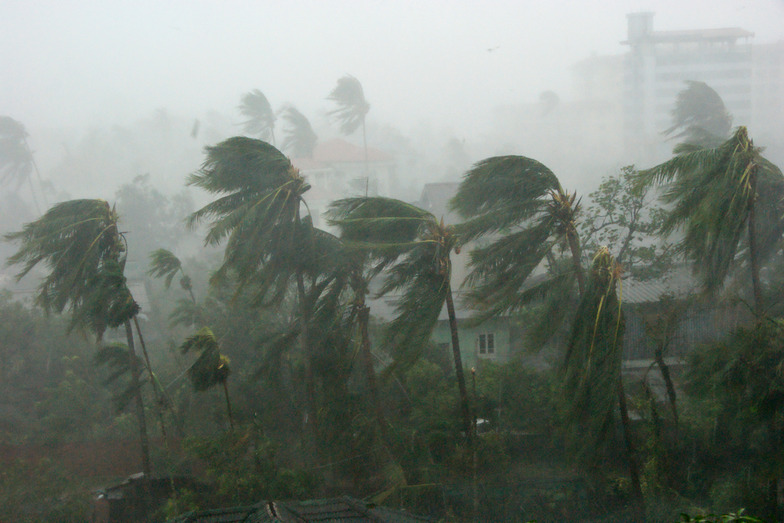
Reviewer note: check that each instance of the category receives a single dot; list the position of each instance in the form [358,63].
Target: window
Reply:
[486,343]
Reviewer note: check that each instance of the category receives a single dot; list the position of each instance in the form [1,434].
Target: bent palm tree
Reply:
[261,117]
[351,109]
[80,243]
[728,201]
[700,116]
[416,249]
[257,213]
[16,159]
[521,199]
[300,139]
[211,368]
[592,382]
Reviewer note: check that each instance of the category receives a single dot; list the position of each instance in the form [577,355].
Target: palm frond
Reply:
[79,242]
[699,116]
[211,367]
[592,365]
[164,264]
[352,106]
[500,192]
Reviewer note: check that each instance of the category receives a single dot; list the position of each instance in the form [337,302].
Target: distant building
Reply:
[337,170]
[660,62]
[639,87]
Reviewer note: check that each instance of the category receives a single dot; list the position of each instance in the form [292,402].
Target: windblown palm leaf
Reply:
[714,194]
[16,160]
[351,104]
[699,116]
[211,367]
[257,212]
[592,366]
[79,241]
[521,199]
[415,249]
[164,264]
[300,139]
[261,118]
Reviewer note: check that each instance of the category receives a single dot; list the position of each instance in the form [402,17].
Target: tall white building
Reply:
[660,62]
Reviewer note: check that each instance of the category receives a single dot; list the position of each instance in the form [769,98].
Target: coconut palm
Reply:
[165,264]
[351,109]
[16,158]
[593,396]
[700,116]
[415,248]
[300,139]
[261,117]
[257,213]
[79,241]
[211,367]
[727,200]
[520,205]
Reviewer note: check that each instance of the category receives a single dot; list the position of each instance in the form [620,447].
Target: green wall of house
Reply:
[470,340]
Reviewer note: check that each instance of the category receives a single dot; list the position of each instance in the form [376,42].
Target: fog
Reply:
[433,72]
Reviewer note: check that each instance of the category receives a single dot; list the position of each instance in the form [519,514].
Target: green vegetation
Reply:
[324,399]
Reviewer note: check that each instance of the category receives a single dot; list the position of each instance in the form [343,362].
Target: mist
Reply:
[465,203]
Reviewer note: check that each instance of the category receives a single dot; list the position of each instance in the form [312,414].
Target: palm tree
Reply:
[699,116]
[16,158]
[300,139]
[416,249]
[351,108]
[728,201]
[257,213]
[591,372]
[521,200]
[165,264]
[261,117]
[79,241]
[211,368]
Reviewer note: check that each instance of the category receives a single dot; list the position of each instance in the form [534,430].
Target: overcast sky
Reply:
[449,62]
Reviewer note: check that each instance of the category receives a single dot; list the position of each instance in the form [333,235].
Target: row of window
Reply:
[485,344]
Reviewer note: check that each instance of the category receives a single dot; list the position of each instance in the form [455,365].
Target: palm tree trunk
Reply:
[157,390]
[310,384]
[143,440]
[228,403]
[574,247]
[363,318]
[658,356]
[461,384]
[631,454]
[753,254]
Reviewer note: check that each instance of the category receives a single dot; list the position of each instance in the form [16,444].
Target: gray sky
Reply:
[67,63]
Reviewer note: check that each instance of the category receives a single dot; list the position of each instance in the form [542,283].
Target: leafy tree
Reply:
[300,139]
[261,117]
[699,116]
[416,249]
[593,389]
[211,368]
[352,107]
[622,217]
[519,204]
[79,241]
[739,381]
[728,201]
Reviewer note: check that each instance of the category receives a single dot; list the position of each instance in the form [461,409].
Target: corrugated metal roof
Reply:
[335,510]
